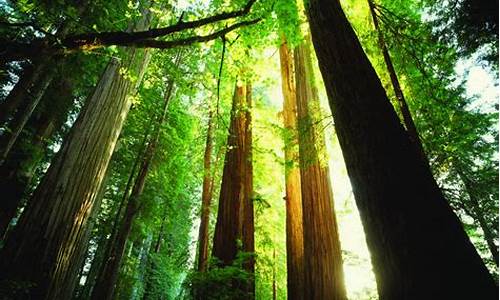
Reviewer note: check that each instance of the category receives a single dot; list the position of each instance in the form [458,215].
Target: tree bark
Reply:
[228,225]
[206,198]
[398,91]
[18,169]
[418,247]
[293,198]
[323,274]
[106,281]
[235,214]
[42,248]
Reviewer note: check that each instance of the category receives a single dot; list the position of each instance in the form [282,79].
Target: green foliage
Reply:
[220,282]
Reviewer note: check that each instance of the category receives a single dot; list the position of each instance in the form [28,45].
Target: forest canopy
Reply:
[249,149]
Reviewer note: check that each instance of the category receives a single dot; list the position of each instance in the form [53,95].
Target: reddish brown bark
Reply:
[228,226]
[45,247]
[235,215]
[323,271]
[206,198]
[418,247]
[293,198]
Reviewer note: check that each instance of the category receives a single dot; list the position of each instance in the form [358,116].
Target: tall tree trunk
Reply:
[403,106]
[206,198]
[235,214]
[323,273]
[294,230]
[106,281]
[42,248]
[418,247]
[107,245]
[19,168]
[228,225]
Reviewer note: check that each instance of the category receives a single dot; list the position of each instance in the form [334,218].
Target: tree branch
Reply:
[114,38]
[186,41]
[26,24]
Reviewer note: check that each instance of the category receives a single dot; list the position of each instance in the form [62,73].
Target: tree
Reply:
[106,280]
[410,228]
[19,167]
[457,138]
[294,227]
[49,234]
[322,256]
[206,198]
[234,226]
[398,91]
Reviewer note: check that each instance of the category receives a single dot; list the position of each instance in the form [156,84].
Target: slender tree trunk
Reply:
[489,236]
[107,244]
[32,83]
[418,247]
[106,281]
[323,274]
[477,214]
[32,98]
[42,248]
[294,230]
[96,263]
[19,168]
[206,199]
[403,106]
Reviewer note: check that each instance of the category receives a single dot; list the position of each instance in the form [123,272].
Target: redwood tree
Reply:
[294,230]
[206,198]
[418,247]
[235,214]
[323,274]
[47,245]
